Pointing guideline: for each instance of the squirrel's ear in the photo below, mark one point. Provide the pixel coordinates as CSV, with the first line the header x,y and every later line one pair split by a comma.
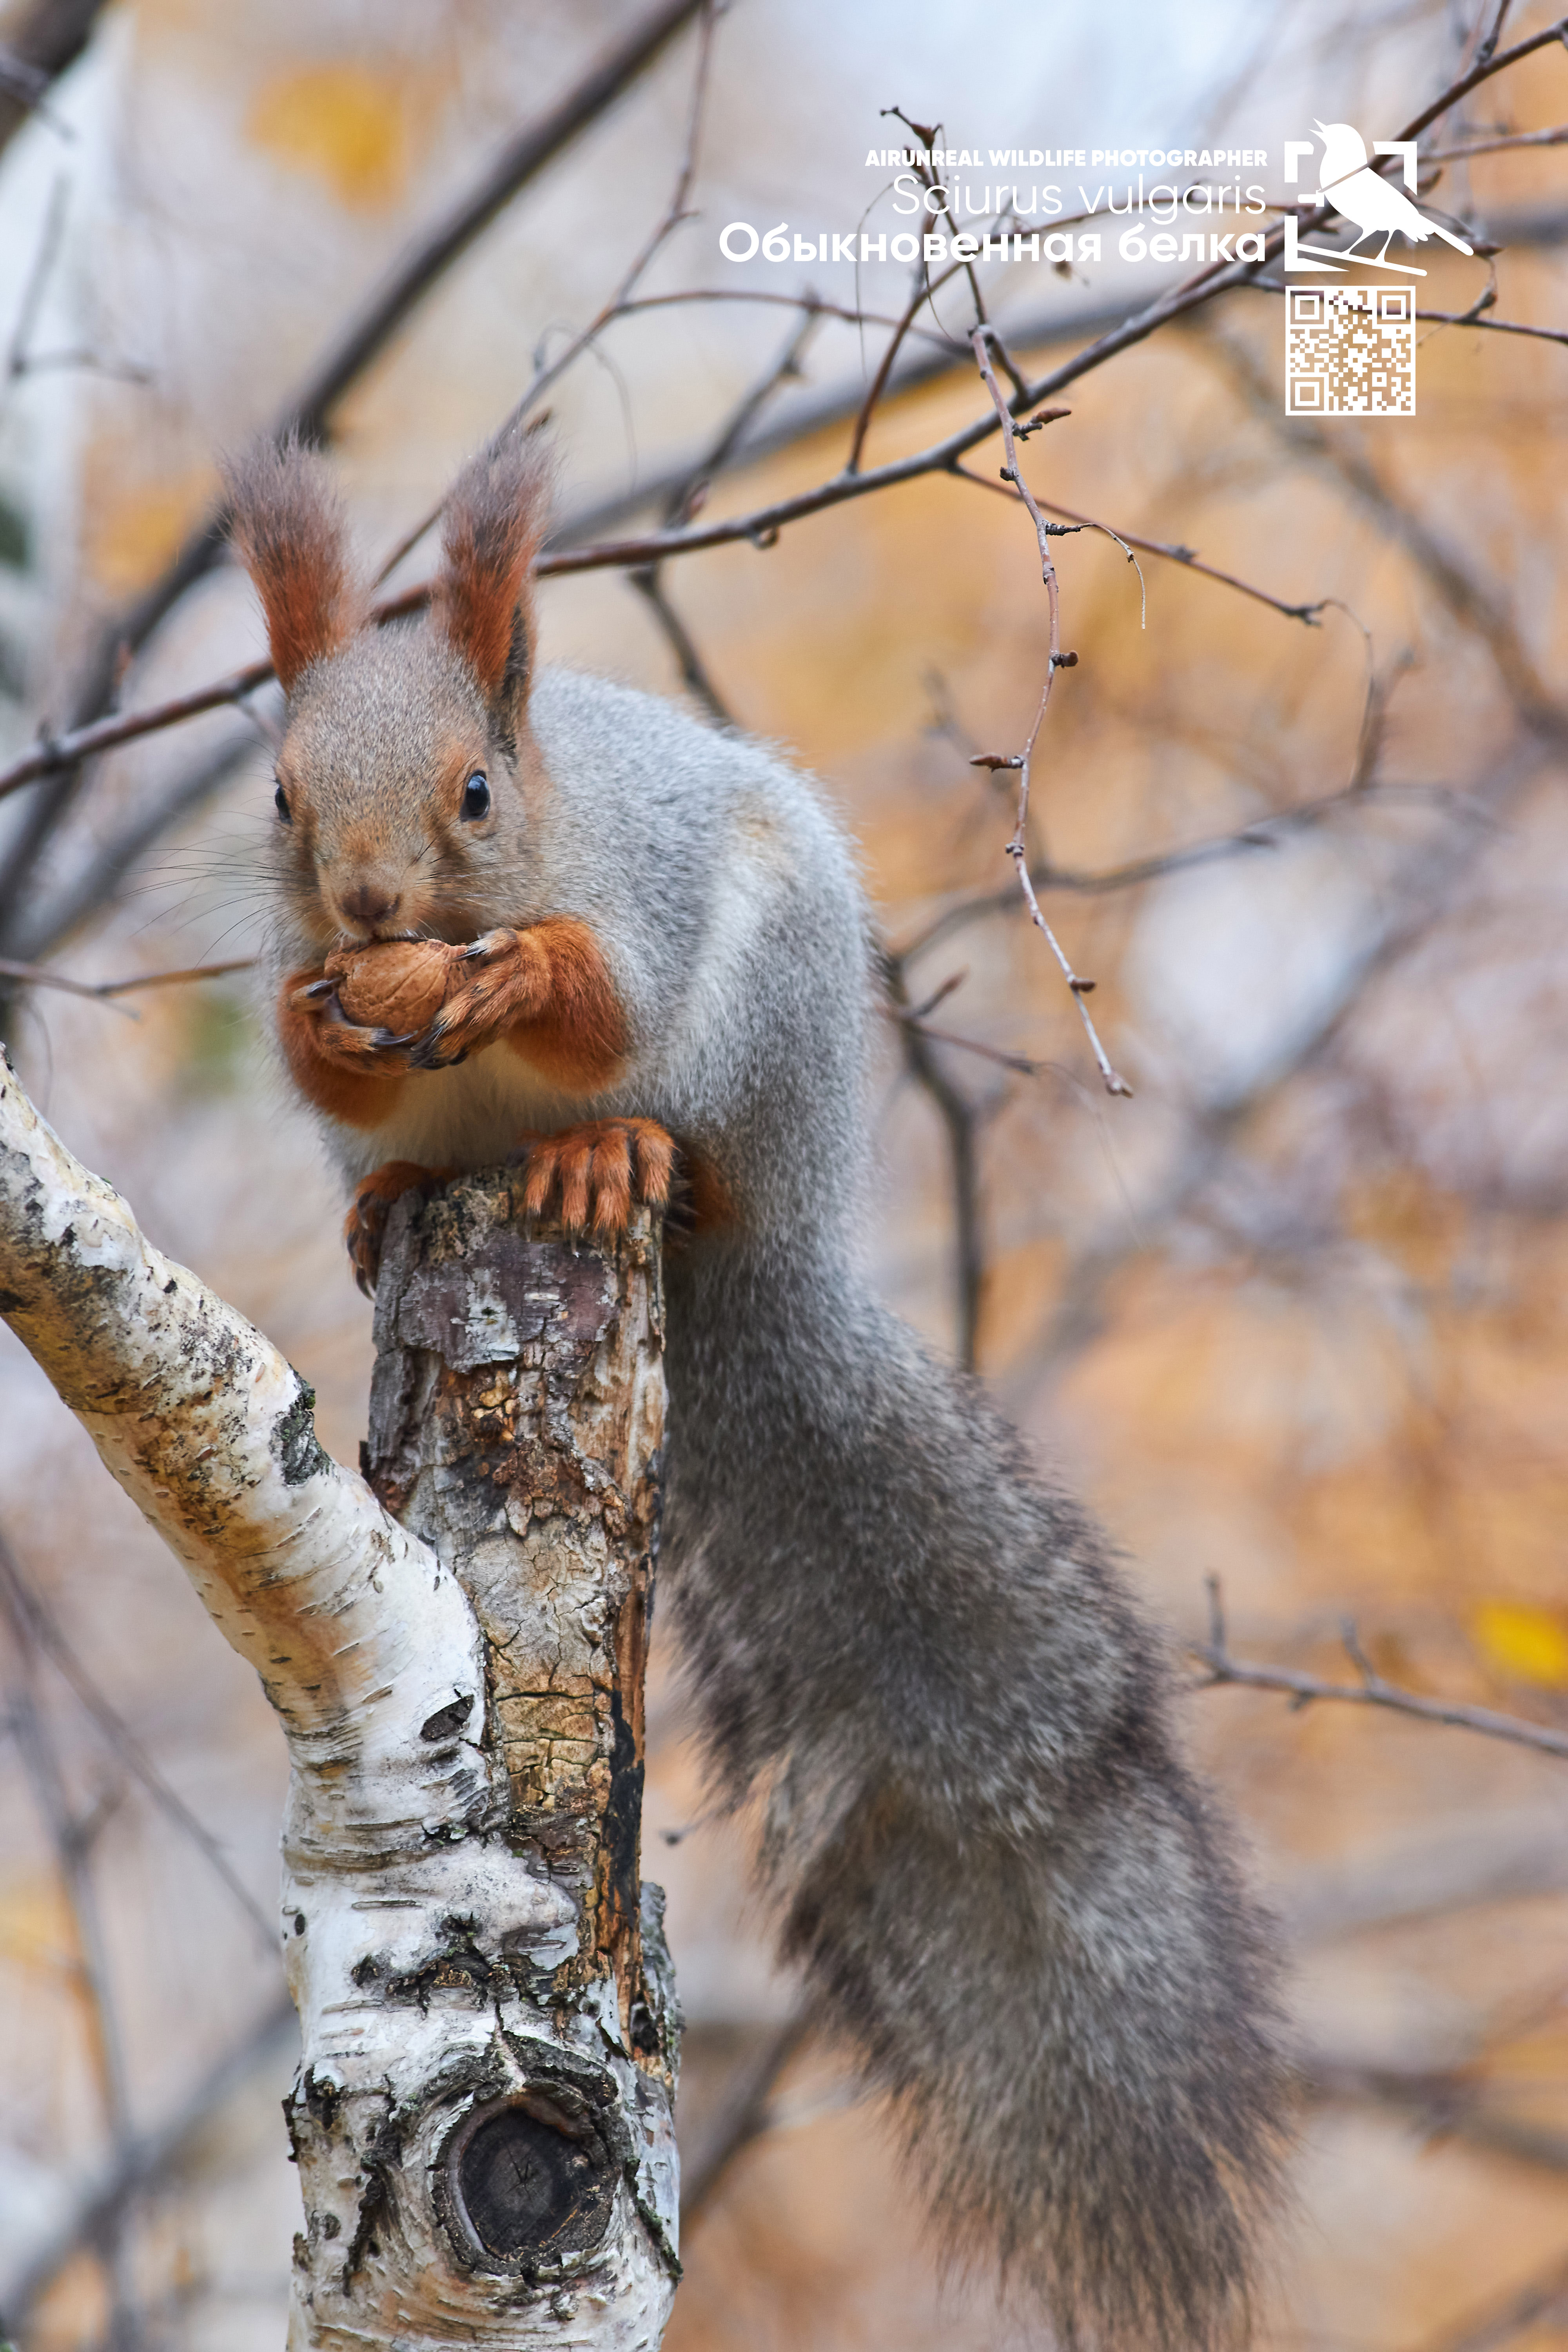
x,y
288,526
497,513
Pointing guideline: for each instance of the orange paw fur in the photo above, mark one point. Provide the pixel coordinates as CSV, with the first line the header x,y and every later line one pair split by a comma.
x,y
364,1227
591,1174
346,1071
500,980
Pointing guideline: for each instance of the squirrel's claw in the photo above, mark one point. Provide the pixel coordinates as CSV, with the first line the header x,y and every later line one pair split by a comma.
x,y
348,1046
592,1173
488,943
364,1227
427,1054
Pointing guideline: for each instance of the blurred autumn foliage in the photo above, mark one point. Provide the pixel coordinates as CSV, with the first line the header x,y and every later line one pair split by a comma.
x,y
1293,1317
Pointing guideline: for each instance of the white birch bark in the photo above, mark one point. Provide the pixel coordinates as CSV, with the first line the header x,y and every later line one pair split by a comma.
x,y
482,2118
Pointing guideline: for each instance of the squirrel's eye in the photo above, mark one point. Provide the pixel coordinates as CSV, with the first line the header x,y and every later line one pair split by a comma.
x,y
476,799
281,803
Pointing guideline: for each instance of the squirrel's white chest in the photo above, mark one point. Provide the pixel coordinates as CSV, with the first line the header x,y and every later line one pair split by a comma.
x,y
471,1116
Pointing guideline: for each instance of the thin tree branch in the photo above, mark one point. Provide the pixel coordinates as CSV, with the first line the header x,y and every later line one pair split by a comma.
x,y
1472,601
1482,70
69,1836
309,409
1486,47
1447,2105
1545,2297
953,346
1017,849
37,975
28,1617
742,2119
54,754
688,496
151,2157
675,213
1262,833
1555,137
1370,1690
47,41
1493,325
959,1119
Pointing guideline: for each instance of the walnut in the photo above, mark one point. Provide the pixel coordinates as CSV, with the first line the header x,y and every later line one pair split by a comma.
x,y
395,984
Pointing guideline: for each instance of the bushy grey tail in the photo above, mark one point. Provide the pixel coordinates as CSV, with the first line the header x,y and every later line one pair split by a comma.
x,y
1005,1888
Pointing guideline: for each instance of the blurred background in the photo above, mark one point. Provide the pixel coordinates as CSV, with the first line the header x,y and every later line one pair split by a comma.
x,y
1292,1315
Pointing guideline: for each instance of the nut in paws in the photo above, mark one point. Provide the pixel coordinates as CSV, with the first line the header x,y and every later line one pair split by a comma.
x,y
397,986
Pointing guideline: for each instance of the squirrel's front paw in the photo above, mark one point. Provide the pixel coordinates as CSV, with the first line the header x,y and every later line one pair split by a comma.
x,y
364,1227
335,1036
592,1173
495,982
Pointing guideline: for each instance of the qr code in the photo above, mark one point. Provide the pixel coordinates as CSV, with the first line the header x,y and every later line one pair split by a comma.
x,y
1349,351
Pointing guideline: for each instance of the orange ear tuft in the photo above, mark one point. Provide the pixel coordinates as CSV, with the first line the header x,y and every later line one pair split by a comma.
x,y
497,512
288,524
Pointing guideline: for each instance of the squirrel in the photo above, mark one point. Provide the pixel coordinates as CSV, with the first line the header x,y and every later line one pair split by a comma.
x,y
545,916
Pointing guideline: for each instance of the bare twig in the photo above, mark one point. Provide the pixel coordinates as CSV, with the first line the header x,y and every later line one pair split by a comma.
x,y
42,44
70,1837
312,406
1472,600
1486,46
175,979
959,1119
1017,849
675,213
53,754
1369,1690
154,2156
950,346
37,975
1557,137
21,360
741,2119
30,1620
1446,2104
1471,318
688,496
33,292
1545,2297
1019,1064
1486,65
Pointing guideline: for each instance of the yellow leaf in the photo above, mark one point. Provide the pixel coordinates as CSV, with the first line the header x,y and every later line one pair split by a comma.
x,y
1530,1645
347,123
133,529
35,1927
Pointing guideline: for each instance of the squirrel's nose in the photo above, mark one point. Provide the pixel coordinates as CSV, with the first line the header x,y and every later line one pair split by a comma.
x,y
365,906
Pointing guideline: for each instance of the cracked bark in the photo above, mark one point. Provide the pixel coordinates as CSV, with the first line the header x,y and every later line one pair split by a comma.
x,y
483,2115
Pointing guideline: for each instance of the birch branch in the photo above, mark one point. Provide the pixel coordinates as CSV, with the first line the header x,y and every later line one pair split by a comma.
x,y
483,2114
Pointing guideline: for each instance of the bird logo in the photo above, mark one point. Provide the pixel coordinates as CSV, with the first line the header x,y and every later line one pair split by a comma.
x,y
1362,195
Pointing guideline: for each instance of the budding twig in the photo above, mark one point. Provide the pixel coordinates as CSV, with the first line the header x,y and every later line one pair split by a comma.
x,y
1017,849
1370,1690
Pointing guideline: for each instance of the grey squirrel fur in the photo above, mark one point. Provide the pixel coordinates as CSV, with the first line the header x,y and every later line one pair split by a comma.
x,y
1007,1892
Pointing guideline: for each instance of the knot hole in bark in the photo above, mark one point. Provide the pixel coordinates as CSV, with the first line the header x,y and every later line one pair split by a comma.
x,y
531,2182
